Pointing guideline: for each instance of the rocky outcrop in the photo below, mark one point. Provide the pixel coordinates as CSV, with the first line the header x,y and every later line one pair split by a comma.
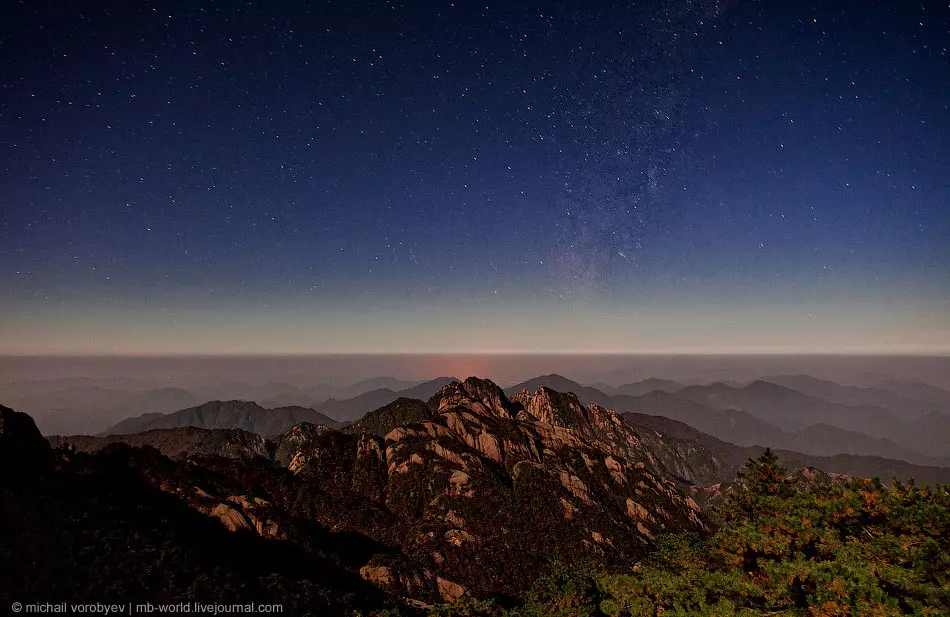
x,y
474,482
232,519
242,513
392,572
24,453
479,396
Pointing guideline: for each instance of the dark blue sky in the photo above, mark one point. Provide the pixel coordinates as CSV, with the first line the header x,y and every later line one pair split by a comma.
x,y
204,177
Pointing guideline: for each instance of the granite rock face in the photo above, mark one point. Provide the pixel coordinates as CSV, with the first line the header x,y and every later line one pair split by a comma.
x,y
486,489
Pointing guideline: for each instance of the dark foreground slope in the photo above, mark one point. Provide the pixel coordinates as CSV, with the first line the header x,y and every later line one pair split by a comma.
x,y
129,524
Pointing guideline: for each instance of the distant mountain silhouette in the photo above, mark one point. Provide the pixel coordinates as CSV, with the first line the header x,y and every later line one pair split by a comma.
x,y
907,408
163,400
824,439
81,405
376,383
381,421
729,458
792,410
639,388
731,425
314,396
176,442
937,398
253,417
351,410
245,415
932,433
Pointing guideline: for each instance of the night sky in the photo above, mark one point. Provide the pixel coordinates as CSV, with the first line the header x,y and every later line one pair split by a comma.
x,y
221,177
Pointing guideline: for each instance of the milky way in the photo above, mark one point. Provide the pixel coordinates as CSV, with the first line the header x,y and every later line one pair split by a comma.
x,y
289,176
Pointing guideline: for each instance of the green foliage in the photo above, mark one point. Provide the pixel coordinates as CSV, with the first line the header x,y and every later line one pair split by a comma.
x,y
564,592
787,547
466,607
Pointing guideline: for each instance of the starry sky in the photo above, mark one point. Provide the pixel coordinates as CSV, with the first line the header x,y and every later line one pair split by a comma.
x,y
295,177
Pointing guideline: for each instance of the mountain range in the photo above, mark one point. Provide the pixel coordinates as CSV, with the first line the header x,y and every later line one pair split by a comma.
x,y
243,415
239,428
895,420
472,492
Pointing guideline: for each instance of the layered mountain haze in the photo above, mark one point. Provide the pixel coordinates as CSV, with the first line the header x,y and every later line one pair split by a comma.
x,y
250,416
915,401
762,413
718,415
721,460
651,384
729,424
244,415
792,410
85,405
824,418
929,394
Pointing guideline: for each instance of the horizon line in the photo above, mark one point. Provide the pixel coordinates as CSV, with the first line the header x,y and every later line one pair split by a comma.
x,y
916,353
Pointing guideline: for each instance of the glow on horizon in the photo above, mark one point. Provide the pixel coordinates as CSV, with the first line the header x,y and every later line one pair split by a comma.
x,y
702,330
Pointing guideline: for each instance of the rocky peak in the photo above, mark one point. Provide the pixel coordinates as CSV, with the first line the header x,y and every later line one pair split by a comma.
x,y
481,396
592,423
547,405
